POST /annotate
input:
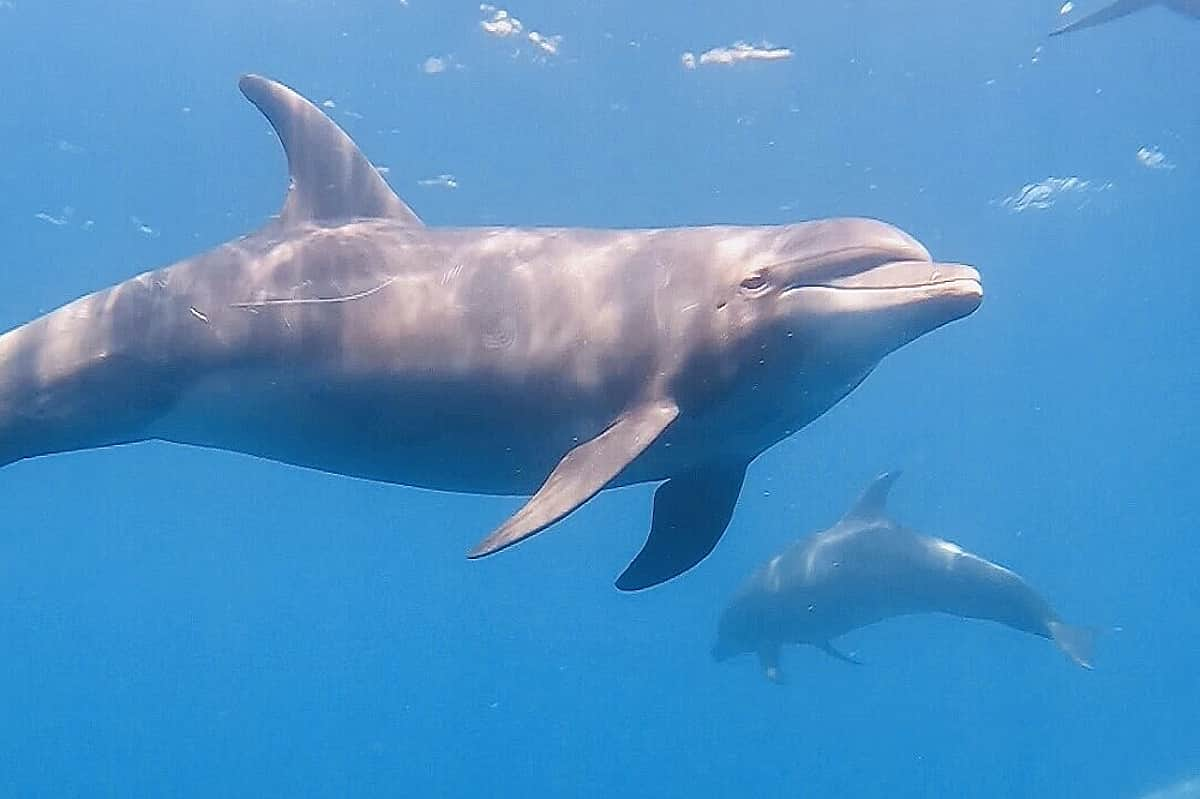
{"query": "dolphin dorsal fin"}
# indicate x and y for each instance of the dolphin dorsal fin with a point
(331, 180)
(872, 501)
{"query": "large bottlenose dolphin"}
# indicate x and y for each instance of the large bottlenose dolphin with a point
(346, 336)
(866, 568)
(1123, 8)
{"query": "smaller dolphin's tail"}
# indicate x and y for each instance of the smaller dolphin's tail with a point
(1078, 643)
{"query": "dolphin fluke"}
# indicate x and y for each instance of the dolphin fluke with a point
(1078, 643)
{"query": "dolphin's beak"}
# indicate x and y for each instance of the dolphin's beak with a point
(956, 289)
(922, 275)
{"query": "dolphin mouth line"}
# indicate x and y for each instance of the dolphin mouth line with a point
(973, 282)
(898, 275)
(885, 256)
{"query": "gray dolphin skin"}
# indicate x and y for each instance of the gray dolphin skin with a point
(1123, 8)
(346, 336)
(867, 568)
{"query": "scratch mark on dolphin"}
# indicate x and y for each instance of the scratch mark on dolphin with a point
(255, 304)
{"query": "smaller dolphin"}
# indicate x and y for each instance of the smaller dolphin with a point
(1123, 8)
(866, 568)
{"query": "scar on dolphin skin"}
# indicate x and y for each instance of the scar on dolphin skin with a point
(358, 295)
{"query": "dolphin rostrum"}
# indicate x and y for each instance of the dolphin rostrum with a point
(1123, 8)
(867, 568)
(348, 337)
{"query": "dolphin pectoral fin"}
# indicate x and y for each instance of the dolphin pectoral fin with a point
(1120, 8)
(1078, 643)
(582, 473)
(691, 512)
(768, 658)
(834, 652)
(331, 179)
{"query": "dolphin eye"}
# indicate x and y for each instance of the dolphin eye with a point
(755, 282)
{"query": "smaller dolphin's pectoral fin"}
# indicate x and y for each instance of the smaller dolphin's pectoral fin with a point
(331, 179)
(829, 649)
(1121, 8)
(873, 501)
(691, 512)
(582, 473)
(768, 658)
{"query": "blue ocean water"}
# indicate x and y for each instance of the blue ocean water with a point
(182, 622)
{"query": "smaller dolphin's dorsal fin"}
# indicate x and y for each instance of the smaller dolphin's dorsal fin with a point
(331, 178)
(873, 500)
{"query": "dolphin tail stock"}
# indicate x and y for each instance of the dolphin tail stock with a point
(1077, 643)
